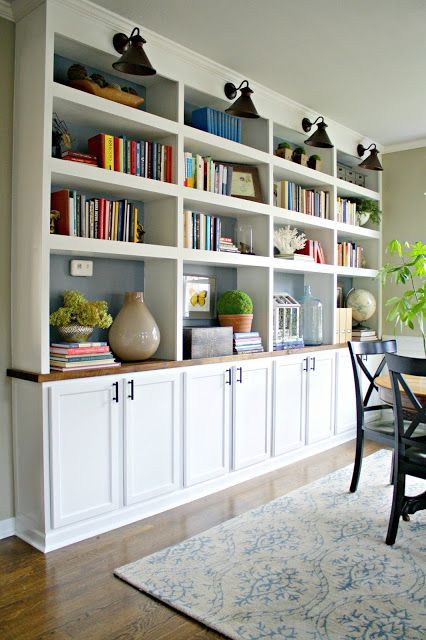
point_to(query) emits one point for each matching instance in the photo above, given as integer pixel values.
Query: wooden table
(416, 384)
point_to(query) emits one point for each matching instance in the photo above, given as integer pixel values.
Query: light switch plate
(81, 267)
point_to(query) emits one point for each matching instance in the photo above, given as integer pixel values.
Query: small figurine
(61, 138)
(140, 232)
(54, 215)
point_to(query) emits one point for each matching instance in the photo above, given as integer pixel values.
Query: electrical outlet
(81, 267)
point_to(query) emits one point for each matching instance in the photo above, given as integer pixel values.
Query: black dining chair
(409, 439)
(381, 431)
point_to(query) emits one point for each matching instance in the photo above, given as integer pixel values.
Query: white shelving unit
(168, 96)
(57, 420)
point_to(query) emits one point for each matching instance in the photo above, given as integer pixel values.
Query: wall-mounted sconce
(372, 161)
(243, 107)
(133, 59)
(320, 137)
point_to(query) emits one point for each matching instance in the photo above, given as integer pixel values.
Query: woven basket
(241, 323)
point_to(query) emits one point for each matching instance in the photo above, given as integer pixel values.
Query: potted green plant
(299, 156)
(284, 151)
(314, 162)
(408, 309)
(367, 210)
(235, 309)
(78, 317)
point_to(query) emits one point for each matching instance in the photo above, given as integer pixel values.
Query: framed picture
(199, 297)
(246, 183)
(339, 297)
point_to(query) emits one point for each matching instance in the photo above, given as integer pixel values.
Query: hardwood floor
(72, 593)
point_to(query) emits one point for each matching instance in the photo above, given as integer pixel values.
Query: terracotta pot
(134, 334)
(240, 322)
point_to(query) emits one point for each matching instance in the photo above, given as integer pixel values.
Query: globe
(363, 304)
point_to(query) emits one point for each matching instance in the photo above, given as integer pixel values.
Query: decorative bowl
(75, 333)
(110, 93)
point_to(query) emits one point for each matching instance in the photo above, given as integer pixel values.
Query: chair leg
(358, 461)
(397, 502)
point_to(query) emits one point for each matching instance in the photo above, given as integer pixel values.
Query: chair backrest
(412, 413)
(359, 350)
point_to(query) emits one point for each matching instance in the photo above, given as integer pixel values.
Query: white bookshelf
(85, 36)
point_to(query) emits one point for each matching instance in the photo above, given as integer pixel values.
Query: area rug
(311, 565)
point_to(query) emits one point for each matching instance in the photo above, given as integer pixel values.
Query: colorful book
(102, 146)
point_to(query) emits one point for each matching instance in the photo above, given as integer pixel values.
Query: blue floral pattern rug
(311, 565)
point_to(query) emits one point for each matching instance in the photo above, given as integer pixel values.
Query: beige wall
(404, 209)
(7, 32)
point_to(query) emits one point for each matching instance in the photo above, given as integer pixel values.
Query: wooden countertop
(155, 364)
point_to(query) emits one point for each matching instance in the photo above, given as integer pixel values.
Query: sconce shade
(243, 107)
(371, 162)
(320, 137)
(134, 59)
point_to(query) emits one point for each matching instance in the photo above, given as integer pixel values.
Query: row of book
(249, 342)
(217, 122)
(94, 217)
(350, 254)
(346, 211)
(206, 174)
(202, 231)
(289, 195)
(75, 356)
(312, 250)
(137, 157)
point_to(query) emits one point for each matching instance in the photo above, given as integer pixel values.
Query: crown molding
(405, 146)
(6, 10)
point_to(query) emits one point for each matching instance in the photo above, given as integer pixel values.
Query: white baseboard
(7, 528)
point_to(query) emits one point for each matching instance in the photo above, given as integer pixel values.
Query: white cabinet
(345, 393)
(251, 412)
(207, 419)
(85, 450)
(303, 400)
(151, 435)
(289, 407)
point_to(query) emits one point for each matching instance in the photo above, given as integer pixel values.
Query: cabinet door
(345, 393)
(320, 396)
(151, 435)
(206, 423)
(251, 412)
(289, 400)
(85, 449)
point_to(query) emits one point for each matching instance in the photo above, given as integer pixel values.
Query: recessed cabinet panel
(151, 430)
(345, 394)
(289, 404)
(84, 432)
(207, 423)
(251, 428)
(320, 397)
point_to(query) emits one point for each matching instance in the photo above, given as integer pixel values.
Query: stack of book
(290, 195)
(250, 342)
(362, 334)
(226, 244)
(74, 356)
(77, 156)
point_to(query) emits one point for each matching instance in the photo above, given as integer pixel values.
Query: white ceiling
(360, 62)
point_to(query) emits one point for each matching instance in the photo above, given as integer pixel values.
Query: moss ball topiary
(233, 302)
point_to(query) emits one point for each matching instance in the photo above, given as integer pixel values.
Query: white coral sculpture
(288, 240)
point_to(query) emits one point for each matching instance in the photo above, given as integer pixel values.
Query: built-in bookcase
(180, 86)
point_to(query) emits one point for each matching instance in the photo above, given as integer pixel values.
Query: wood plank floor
(72, 593)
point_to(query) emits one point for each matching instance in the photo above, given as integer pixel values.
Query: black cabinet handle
(131, 395)
(229, 381)
(240, 379)
(313, 364)
(305, 366)
(115, 397)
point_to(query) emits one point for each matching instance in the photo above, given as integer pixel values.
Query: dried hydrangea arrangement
(288, 240)
(78, 310)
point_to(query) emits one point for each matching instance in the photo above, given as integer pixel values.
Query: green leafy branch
(409, 308)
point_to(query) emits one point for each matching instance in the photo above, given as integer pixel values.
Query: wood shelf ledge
(153, 365)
